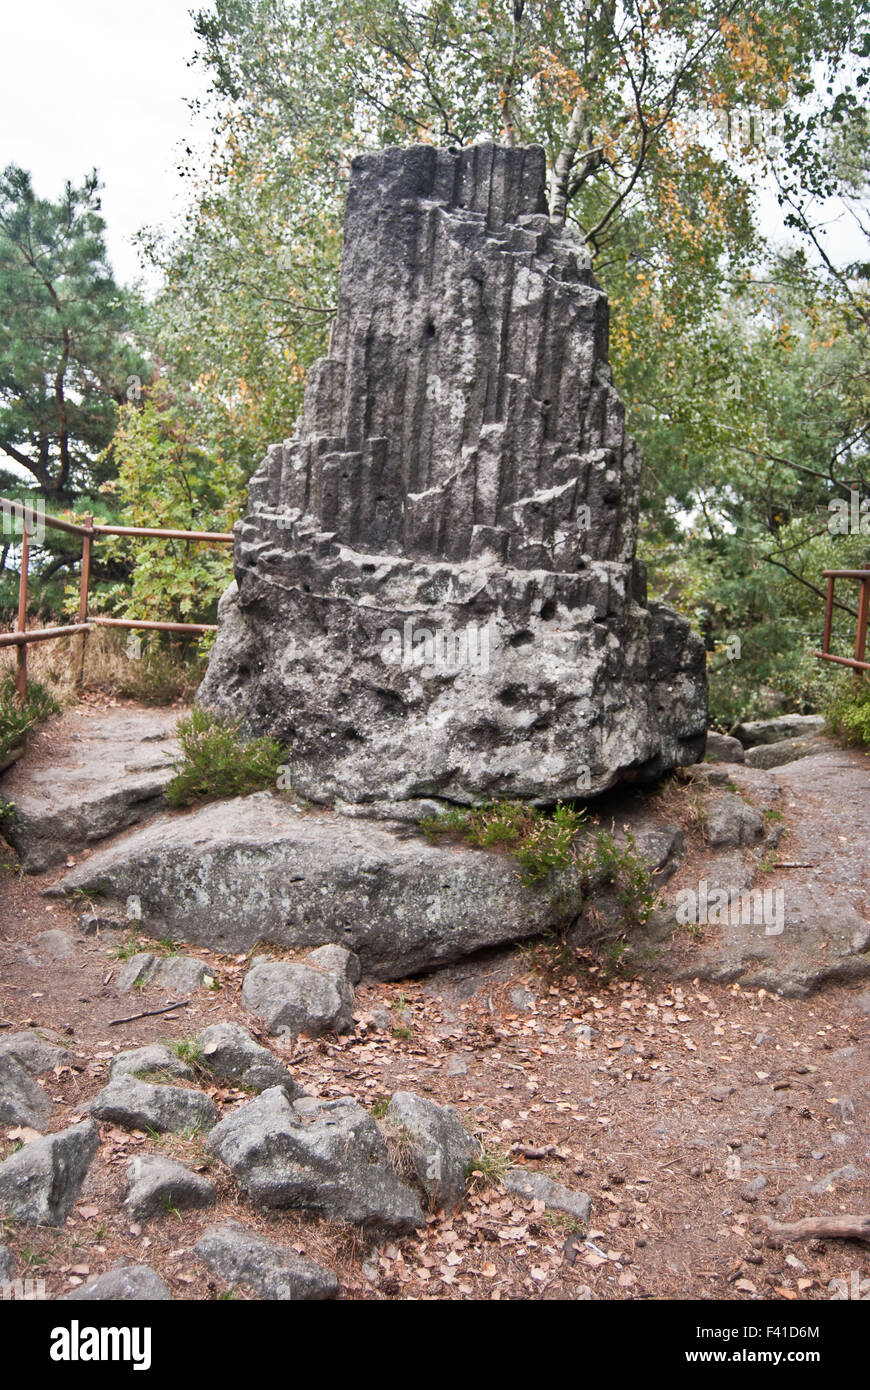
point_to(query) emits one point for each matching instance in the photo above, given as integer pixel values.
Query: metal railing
(857, 662)
(89, 532)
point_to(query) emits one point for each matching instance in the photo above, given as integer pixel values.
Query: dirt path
(688, 1112)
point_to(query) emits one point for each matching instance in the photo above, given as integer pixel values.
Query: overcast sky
(105, 84)
(101, 83)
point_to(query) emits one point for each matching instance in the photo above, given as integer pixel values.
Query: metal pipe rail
(857, 662)
(89, 532)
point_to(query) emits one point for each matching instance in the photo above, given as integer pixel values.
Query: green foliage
(217, 762)
(17, 718)
(848, 713)
(558, 849)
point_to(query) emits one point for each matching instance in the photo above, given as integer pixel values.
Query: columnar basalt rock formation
(437, 592)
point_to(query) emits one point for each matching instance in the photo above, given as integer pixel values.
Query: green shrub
(217, 762)
(18, 717)
(848, 713)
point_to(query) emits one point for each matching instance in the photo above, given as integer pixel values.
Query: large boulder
(259, 869)
(437, 591)
(40, 1183)
(324, 1156)
(785, 726)
(273, 1271)
(22, 1099)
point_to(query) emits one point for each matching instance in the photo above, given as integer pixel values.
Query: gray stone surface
(291, 997)
(440, 1148)
(273, 1271)
(338, 961)
(156, 1183)
(258, 869)
(177, 974)
(533, 1186)
(786, 751)
(437, 591)
(40, 1182)
(166, 1109)
(103, 775)
(324, 1156)
(840, 1176)
(723, 748)
(7, 1264)
(729, 821)
(155, 1057)
(129, 1284)
(229, 1053)
(38, 1050)
(22, 1099)
(784, 726)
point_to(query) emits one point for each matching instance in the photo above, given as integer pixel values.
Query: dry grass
(162, 675)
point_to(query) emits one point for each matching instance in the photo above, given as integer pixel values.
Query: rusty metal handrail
(856, 662)
(21, 637)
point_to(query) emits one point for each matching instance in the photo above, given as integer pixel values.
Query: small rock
(178, 974)
(7, 1264)
(22, 1099)
(38, 1052)
(323, 1156)
(156, 1183)
(729, 821)
(382, 1019)
(785, 726)
(845, 1108)
(457, 1066)
(229, 1053)
(752, 1190)
(40, 1183)
(156, 1057)
(294, 998)
(166, 1109)
(441, 1150)
(721, 1093)
(768, 755)
(522, 998)
(273, 1271)
(525, 1182)
(338, 961)
(125, 1285)
(848, 1173)
(56, 944)
(722, 748)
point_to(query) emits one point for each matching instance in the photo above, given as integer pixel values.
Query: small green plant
(188, 1050)
(216, 761)
(18, 717)
(490, 1165)
(773, 815)
(379, 1109)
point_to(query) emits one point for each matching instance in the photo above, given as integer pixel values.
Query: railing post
(863, 613)
(21, 650)
(829, 616)
(84, 583)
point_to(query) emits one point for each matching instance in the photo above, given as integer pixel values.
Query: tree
(67, 360)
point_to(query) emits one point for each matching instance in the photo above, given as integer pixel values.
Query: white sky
(105, 83)
(101, 83)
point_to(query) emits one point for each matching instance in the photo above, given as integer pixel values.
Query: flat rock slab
(787, 751)
(127, 1285)
(157, 1184)
(166, 1109)
(323, 1156)
(155, 1058)
(785, 726)
(40, 1183)
(38, 1050)
(273, 1271)
(537, 1187)
(809, 923)
(258, 869)
(86, 776)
